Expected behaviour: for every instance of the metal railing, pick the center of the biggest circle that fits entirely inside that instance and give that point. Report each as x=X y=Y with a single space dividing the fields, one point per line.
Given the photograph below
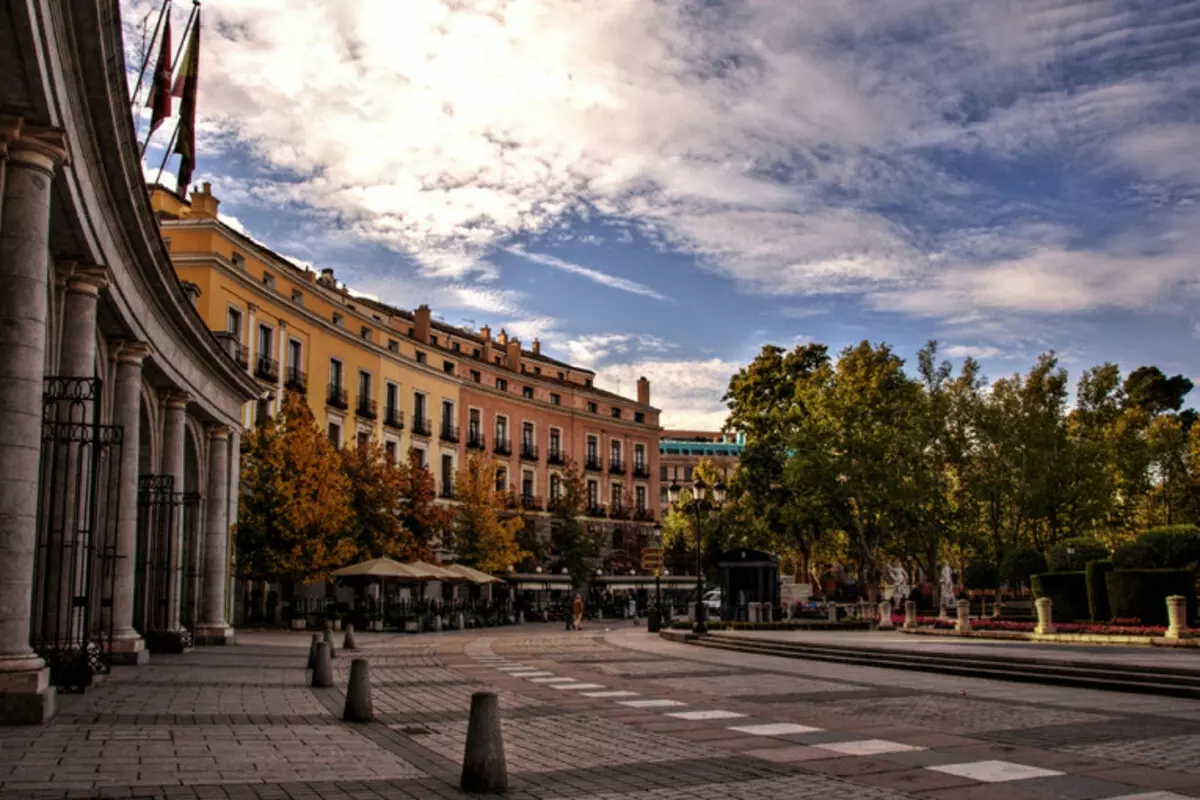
x=367 y=408
x=337 y=397
x=616 y=466
x=449 y=432
x=556 y=456
x=421 y=426
x=266 y=368
x=502 y=447
x=592 y=464
x=476 y=440
x=296 y=380
x=393 y=417
x=529 y=451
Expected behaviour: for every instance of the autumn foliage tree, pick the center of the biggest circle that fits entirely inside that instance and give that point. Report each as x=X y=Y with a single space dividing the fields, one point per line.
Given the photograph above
x=294 y=518
x=378 y=488
x=419 y=513
x=482 y=538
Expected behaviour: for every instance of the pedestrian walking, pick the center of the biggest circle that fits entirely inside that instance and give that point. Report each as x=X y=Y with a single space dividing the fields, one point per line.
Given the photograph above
x=577 y=612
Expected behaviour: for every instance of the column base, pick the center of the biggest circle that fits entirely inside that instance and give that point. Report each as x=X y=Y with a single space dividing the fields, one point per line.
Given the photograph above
x=214 y=634
x=169 y=641
x=26 y=698
x=130 y=651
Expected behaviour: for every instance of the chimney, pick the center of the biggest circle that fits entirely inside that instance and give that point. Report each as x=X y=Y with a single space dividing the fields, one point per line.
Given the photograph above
x=204 y=205
x=643 y=396
x=512 y=359
x=486 y=333
x=327 y=278
x=421 y=324
x=537 y=347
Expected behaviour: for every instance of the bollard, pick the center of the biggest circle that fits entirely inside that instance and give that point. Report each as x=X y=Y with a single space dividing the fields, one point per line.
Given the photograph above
x=461 y=621
x=520 y=617
x=964 y=616
x=322 y=674
x=885 y=615
x=437 y=623
x=348 y=642
x=832 y=611
x=484 y=768
x=910 y=615
x=358 y=693
x=312 y=651
x=1176 y=616
x=329 y=642
x=1045 y=623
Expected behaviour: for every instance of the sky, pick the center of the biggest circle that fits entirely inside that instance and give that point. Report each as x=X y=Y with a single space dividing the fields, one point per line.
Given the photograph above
x=661 y=187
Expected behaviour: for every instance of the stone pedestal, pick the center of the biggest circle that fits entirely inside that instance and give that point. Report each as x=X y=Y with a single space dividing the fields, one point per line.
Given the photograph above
x=832 y=612
x=910 y=615
x=1045 y=623
x=130 y=651
x=885 y=616
x=963 y=625
x=1176 y=616
x=214 y=634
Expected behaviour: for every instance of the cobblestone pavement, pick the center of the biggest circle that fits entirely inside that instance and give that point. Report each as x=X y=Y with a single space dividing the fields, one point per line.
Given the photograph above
x=603 y=713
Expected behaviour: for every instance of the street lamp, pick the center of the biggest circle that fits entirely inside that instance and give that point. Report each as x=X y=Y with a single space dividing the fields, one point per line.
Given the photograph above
x=700 y=504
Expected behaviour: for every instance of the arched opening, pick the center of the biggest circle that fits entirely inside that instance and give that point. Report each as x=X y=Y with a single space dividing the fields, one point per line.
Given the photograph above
x=191 y=555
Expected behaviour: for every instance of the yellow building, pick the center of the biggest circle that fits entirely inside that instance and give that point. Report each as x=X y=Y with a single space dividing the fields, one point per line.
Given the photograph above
x=294 y=329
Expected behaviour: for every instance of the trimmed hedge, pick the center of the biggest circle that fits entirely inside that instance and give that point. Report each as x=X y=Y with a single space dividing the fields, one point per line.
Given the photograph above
x=1134 y=555
x=1019 y=565
x=1097 y=589
x=982 y=574
x=1067 y=591
x=1143 y=593
x=1174 y=546
x=1073 y=554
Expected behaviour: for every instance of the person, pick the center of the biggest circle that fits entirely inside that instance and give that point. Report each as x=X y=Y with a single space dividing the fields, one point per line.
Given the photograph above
x=577 y=612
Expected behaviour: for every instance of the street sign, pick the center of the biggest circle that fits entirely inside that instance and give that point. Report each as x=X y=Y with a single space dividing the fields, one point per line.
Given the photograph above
x=651 y=558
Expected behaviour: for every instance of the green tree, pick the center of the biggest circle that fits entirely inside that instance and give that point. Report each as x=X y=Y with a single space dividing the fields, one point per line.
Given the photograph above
x=1150 y=390
x=569 y=537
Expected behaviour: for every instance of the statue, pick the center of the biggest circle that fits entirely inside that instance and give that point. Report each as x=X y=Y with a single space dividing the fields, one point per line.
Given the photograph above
x=898 y=583
x=946 y=584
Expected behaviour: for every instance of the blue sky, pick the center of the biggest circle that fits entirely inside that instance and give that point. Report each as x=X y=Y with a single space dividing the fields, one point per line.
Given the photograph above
x=660 y=188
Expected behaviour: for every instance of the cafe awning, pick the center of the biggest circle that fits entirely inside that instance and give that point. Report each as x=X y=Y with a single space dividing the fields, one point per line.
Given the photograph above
x=432 y=572
x=473 y=575
x=378 y=568
x=539 y=581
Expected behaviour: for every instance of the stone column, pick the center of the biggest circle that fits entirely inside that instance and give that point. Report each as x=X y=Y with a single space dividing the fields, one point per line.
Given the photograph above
x=214 y=628
x=910 y=615
x=174 y=432
x=25 y=692
x=63 y=270
x=963 y=625
x=1176 y=616
x=78 y=349
x=281 y=360
x=128 y=646
x=1045 y=615
x=251 y=337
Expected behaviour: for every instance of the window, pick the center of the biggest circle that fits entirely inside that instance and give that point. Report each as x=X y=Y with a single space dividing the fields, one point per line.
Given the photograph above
x=364 y=386
x=639 y=417
x=365 y=332
x=418 y=409
x=233 y=323
x=593 y=456
x=527 y=435
x=420 y=357
x=615 y=500
x=555 y=487
x=501 y=480
x=433 y=340
x=475 y=376
x=640 y=495
x=265 y=337
x=363 y=439
x=448 y=418
x=393 y=345
x=392 y=396
x=663 y=499
x=662 y=472
x=447 y=475
x=268 y=280
x=455 y=347
x=501 y=429
x=591 y=407
x=339 y=319
x=527 y=392
x=335 y=374
x=335 y=434
x=555 y=399
x=502 y=384
x=448 y=367
x=587 y=382
x=561 y=377
x=475 y=352
x=293 y=356
x=555 y=443
x=537 y=370
x=687 y=473
x=616 y=413
x=420 y=451
x=389 y=449
x=593 y=494
x=238 y=260
x=474 y=426
x=297 y=297
x=639 y=456
x=527 y=484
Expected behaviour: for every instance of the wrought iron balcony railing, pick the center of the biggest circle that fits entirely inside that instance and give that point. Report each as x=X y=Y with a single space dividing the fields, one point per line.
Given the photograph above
x=531 y=502
x=641 y=471
x=296 y=380
x=449 y=432
x=502 y=447
x=266 y=368
x=337 y=397
x=393 y=417
x=476 y=440
x=421 y=426
x=616 y=466
x=592 y=464
x=556 y=456
x=367 y=408
x=529 y=451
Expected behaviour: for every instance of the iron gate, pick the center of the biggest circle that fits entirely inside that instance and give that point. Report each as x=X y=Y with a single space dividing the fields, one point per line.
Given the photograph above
x=75 y=567
x=192 y=556
x=161 y=510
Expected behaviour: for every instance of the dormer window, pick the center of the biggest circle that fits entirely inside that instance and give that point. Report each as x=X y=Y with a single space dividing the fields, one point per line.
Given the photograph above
x=238 y=260
x=366 y=333
x=339 y=319
x=393 y=345
x=297 y=297
x=268 y=280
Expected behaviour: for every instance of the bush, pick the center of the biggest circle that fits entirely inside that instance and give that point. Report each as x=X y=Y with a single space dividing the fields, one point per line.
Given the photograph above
x=1097 y=589
x=1020 y=565
x=1174 y=546
x=1142 y=593
x=1071 y=555
x=982 y=574
x=1134 y=555
x=1066 y=590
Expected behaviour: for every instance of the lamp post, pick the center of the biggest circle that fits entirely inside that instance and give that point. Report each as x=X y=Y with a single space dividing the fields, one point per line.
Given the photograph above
x=699 y=505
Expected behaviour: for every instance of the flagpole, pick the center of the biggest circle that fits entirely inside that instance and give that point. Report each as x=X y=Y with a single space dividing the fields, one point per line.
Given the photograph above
x=137 y=89
x=167 y=155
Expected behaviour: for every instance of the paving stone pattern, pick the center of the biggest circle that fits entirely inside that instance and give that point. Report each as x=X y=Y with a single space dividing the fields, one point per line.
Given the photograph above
x=660 y=721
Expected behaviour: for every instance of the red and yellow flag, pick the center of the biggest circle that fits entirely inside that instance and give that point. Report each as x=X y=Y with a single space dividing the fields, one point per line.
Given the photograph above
x=185 y=89
x=160 y=87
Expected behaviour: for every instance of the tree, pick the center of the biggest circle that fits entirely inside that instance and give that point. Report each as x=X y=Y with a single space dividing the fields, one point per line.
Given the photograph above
x=294 y=513
x=484 y=540
x=377 y=486
x=568 y=537
x=419 y=512
x=1149 y=389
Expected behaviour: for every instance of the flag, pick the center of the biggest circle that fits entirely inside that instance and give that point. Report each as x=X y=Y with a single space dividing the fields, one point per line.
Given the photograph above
x=160 y=87
x=185 y=89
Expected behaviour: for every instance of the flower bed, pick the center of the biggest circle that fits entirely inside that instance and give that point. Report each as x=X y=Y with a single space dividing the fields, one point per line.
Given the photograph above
x=1099 y=629
x=792 y=625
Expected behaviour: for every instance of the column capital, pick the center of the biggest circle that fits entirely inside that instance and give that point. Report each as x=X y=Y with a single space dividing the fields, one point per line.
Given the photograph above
x=90 y=279
x=176 y=398
x=217 y=431
x=39 y=147
x=282 y=324
x=129 y=351
x=63 y=270
x=251 y=307
x=10 y=129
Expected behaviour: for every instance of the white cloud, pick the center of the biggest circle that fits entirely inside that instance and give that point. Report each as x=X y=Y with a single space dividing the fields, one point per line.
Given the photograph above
x=972 y=351
x=594 y=275
x=689 y=392
x=590 y=349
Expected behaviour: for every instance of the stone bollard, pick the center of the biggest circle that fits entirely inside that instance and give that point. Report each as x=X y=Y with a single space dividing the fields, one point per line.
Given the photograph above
x=1176 y=616
x=484 y=768
x=910 y=615
x=964 y=616
x=520 y=617
x=322 y=674
x=460 y=621
x=312 y=651
x=1045 y=623
x=885 y=615
x=348 y=642
x=437 y=623
x=358 y=694
x=329 y=642
x=832 y=612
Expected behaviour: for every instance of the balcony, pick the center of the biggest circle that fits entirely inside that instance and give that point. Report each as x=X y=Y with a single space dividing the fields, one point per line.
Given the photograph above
x=616 y=466
x=266 y=368
x=556 y=456
x=502 y=447
x=556 y=504
x=447 y=491
x=296 y=380
x=449 y=432
x=618 y=511
x=529 y=451
x=593 y=464
x=337 y=397
x=367 y=408
x=234 y=348
x=643 y=515
x=476 y=440
x=531 y=502
x=641 y=471
x=393 y=418
x=421 y=426
x=596 y=511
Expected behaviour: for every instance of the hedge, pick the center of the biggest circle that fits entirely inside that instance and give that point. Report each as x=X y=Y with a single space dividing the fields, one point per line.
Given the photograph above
x=1066 y=590
x=982 y=574
x=1020 y=564
x=1134 y=555
x=1174 y=546
x=1073 y=554
x=1097 y=589
x=1143 y=593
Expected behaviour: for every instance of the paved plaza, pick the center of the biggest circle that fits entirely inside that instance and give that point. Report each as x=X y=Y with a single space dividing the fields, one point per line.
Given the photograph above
x=602 y=713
